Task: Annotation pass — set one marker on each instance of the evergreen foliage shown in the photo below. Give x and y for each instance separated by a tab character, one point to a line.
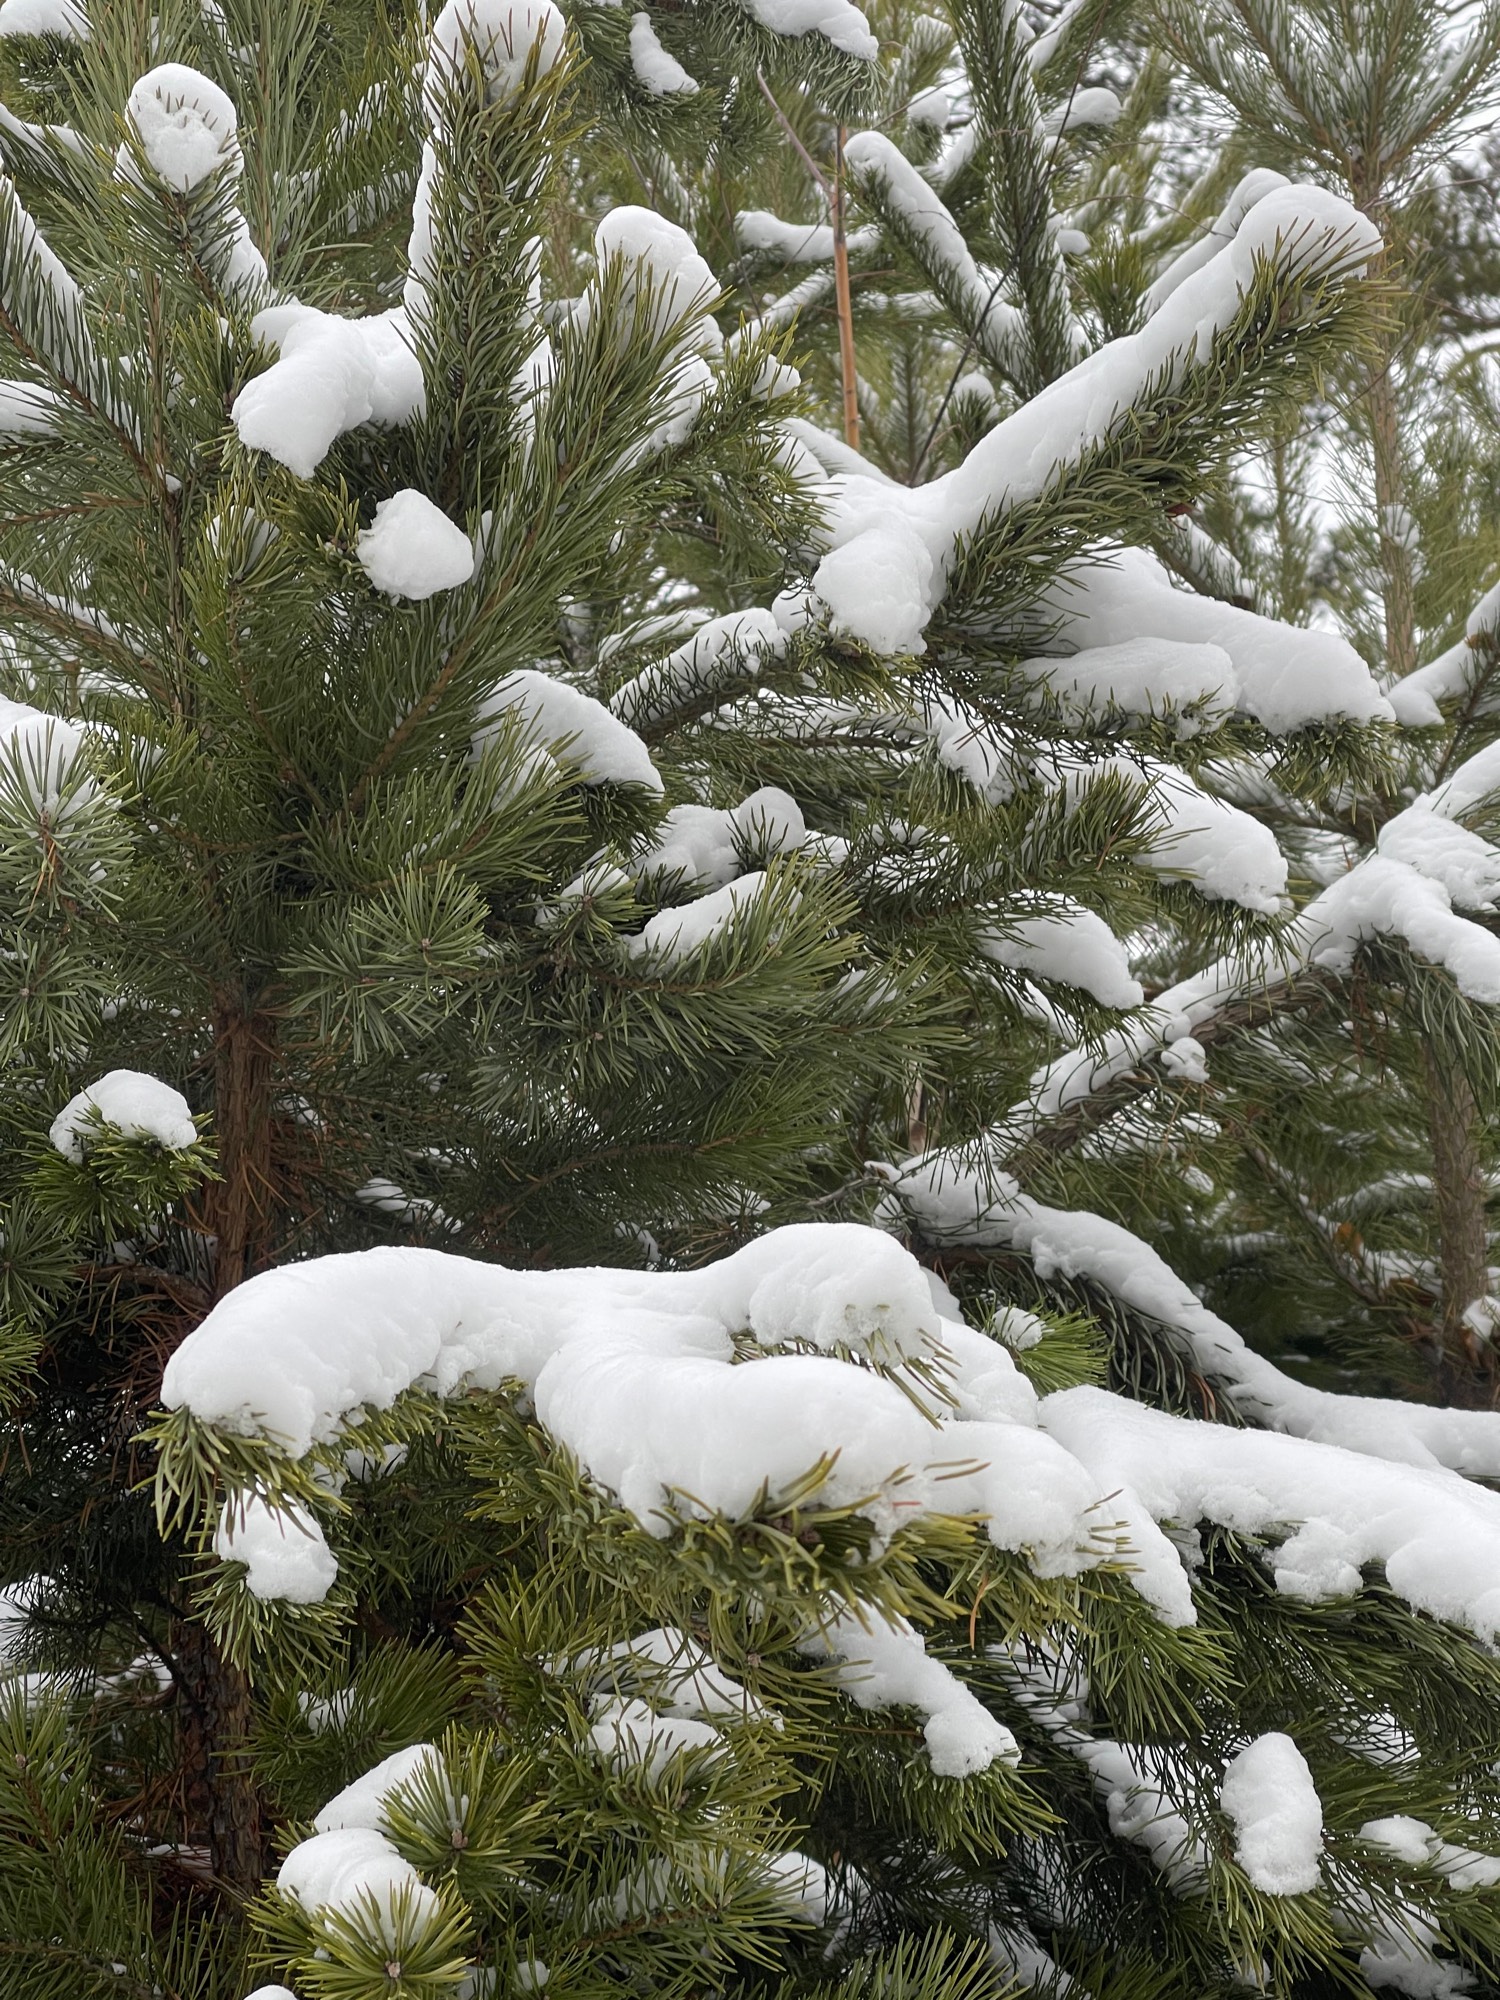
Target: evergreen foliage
491	780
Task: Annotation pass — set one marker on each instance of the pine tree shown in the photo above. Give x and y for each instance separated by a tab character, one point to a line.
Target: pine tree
1367	1238
426	669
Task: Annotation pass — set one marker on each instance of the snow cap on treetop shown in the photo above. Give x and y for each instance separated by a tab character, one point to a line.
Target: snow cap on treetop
188	128
502	35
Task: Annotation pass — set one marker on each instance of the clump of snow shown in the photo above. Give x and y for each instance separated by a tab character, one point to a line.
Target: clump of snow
1225	853
971	745
1068	943
187	126
1250	189
876	584
131	1103
1284	676
676	933
27	409
343	1873
65	18
1414	1842
48	750
283	1551
876	163
719	652
1097	106
333	374
630	1736
1466	866
839	21
682	1680
656	69
1269	1795
635	1373
1142	677
883	1665
578	732
1387	897
951	1203
651	258
901	541
1186	1060
362	1804
412	549
704	845
503	35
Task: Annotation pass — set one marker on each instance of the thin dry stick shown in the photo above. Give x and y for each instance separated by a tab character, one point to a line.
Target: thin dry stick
844	303
834	196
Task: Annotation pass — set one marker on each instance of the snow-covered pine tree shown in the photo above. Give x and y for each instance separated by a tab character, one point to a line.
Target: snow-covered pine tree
1364	1238
550	1606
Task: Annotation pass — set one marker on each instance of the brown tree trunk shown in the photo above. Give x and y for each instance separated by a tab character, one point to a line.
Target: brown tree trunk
221	1804
1466	1371
238	1205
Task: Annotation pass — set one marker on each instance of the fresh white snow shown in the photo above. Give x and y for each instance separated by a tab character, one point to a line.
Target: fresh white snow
131	1103
412	549
1269	1796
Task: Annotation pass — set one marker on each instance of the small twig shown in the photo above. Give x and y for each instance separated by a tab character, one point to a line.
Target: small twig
844	302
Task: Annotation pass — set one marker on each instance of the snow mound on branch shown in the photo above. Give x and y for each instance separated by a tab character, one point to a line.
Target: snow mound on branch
134	1104
877	584
283	1551
651	258
722	649
187	126
677	933
1283	675
635	1373
27	409
899	543
1383	897
883	1665
502	35
333	374
704	844
1414	1842
952	1203
837	20
362	1804
630	1736
66	18
1141	677
1197	838
1253	187
48	749
656	69
1467	867
1437	1536
412	549
341	1873
580	732
1071	944
1269	1795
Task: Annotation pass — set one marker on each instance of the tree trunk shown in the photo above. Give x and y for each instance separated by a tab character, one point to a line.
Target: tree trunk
238	1206
221	1804
1466	1371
